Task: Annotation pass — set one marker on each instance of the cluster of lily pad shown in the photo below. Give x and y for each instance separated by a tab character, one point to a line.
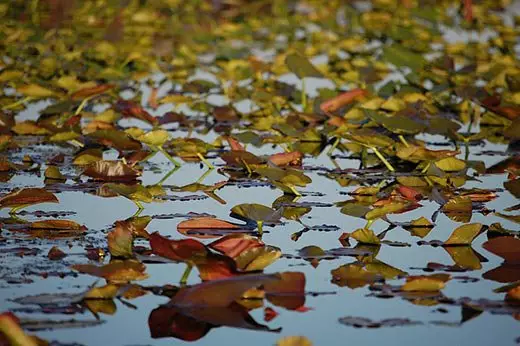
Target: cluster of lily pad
128	80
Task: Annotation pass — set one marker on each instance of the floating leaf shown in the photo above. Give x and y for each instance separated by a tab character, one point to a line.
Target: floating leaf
177	250
53	173
342	100
256	212
35	90
27	196
205	227
154	138
464	235
120	241
402	57
56	254
434	282
365	236
506	247
13	333
301	67
111	171
450	164
420	227
459	208
294	341
353	276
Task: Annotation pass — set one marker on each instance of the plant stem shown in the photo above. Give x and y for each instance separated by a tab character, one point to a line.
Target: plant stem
17	103
139	210
304	96
203	159
294	191
168	156
204	175
425	169
382	158
334	145
82	105
169	174
15	210
247	167
403	140
260	225
186	274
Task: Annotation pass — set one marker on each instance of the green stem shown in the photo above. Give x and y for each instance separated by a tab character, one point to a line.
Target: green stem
15	210
17	103
425	169
247	167
169	174
294	191
363	157
139	210
333	147
304	96
382	158
152	154
403	140
82	105
203	159
76	143
260	225
204	175
168	156
186	274
369	224
335	163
